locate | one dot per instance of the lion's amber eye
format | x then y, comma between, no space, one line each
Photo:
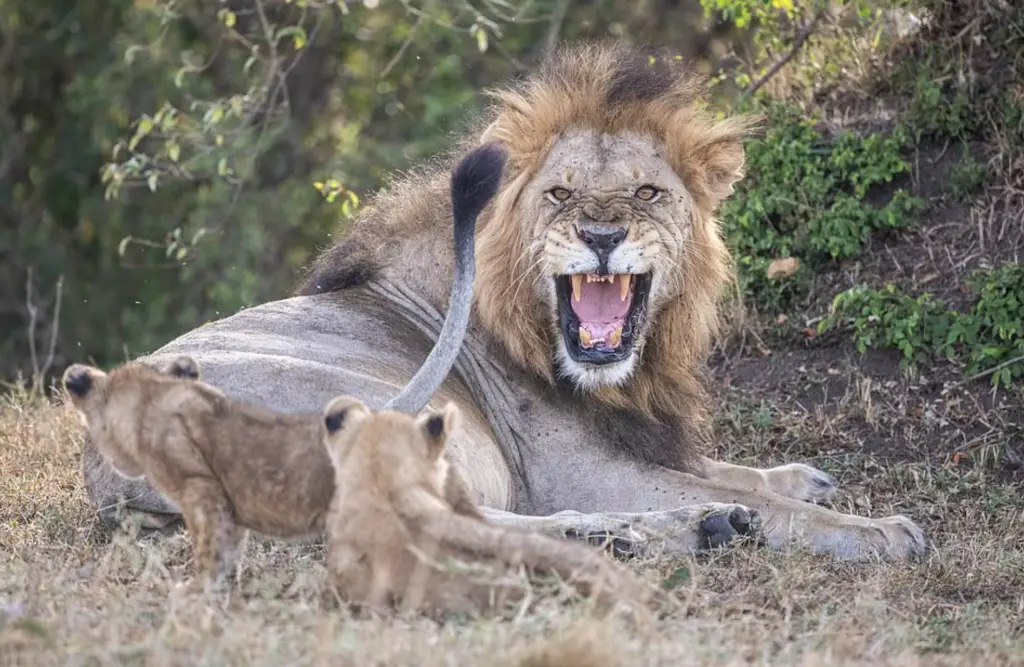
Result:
559,194
647,193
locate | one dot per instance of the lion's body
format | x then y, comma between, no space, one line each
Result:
553,421
399,533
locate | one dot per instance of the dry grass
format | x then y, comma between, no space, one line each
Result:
70,593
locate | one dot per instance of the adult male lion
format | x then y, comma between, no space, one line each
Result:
600,266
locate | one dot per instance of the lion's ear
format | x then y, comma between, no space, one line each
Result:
724,164
437,427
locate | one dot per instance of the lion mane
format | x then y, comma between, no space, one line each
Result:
612,89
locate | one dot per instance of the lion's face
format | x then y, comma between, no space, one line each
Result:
610,224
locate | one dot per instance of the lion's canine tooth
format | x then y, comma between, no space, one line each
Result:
624,286
615,337
585,337
577,283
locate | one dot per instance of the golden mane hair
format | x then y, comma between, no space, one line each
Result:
612,89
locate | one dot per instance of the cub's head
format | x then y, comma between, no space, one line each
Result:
602,251
92,391
388,450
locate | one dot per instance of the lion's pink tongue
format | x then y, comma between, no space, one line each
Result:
601,311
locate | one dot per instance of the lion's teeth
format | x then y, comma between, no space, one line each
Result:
577,286
615,337
624,285
585,337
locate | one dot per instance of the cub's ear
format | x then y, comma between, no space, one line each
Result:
184,367
437,427
339,412
79,380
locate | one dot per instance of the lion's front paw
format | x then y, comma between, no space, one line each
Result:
606,532
800,482
724,522
859,538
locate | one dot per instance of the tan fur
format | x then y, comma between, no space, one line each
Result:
226,464
401,512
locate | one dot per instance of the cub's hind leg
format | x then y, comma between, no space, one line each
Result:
216,538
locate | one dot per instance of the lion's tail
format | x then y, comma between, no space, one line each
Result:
475,180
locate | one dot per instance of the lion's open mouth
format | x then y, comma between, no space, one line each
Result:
601,314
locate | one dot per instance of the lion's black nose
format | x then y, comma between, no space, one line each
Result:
78,383
602,239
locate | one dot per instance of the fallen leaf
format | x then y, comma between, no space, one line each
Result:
781,319
679,576
783,267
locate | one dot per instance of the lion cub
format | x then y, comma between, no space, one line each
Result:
226,464
401,514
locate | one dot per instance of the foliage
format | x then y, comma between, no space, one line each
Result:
964,73
888,318
987,339
162,157
806,195
967,177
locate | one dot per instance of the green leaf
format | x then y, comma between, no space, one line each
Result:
481,37
227,17
173,150
297,33
213,115
129,54
679,576
151,181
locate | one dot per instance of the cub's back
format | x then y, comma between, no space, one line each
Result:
272,466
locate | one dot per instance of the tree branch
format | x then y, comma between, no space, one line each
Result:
798,44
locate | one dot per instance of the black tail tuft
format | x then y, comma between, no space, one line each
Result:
476,179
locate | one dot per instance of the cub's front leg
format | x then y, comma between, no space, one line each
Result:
216,538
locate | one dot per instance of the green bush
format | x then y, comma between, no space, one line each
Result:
987,339
806,195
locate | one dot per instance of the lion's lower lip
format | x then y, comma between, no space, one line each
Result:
601,314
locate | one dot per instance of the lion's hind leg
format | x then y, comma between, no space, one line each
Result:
216,538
